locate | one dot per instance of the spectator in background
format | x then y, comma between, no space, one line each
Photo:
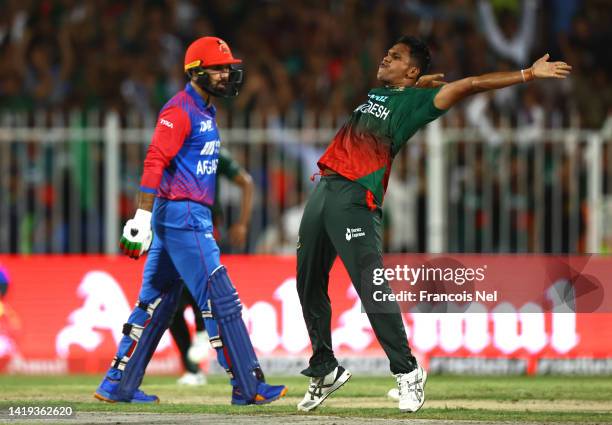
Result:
304,68
530,121
508,39
47,78
400,209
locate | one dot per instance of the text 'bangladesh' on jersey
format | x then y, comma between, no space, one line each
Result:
365,146
183,156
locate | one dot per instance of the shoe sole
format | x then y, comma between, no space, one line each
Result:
102,398
260,402
270,400
343,379
424,384
108,400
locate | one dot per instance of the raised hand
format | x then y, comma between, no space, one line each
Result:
544,69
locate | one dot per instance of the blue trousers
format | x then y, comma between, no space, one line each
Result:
183,248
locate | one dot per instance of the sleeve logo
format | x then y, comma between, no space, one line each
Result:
166,123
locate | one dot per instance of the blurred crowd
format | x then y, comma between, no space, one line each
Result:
316,55
308,64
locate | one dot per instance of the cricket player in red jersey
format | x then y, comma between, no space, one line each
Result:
177,192
343,215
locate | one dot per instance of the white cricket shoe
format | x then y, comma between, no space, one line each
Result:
192,379
199,348
411,388
320,388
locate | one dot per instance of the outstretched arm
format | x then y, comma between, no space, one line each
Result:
452,93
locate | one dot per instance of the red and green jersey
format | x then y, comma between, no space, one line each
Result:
365,146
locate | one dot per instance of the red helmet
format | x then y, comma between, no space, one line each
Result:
208,51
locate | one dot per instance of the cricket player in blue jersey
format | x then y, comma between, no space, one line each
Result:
175,199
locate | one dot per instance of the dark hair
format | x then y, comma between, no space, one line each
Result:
418,51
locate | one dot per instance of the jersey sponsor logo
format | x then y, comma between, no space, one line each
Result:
353,233
166,123
206,126
210,147
378,98
207,166
379,111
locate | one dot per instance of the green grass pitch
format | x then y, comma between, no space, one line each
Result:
492,399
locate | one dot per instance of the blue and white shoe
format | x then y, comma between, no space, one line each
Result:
265,394
106,392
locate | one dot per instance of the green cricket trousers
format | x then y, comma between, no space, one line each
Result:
338,221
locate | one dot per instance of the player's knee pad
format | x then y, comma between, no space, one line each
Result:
227,311
142,333
132,332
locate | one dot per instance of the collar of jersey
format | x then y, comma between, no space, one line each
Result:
391,88
198,99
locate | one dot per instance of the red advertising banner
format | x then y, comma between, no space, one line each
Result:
64,314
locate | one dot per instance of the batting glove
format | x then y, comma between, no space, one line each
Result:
137,235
